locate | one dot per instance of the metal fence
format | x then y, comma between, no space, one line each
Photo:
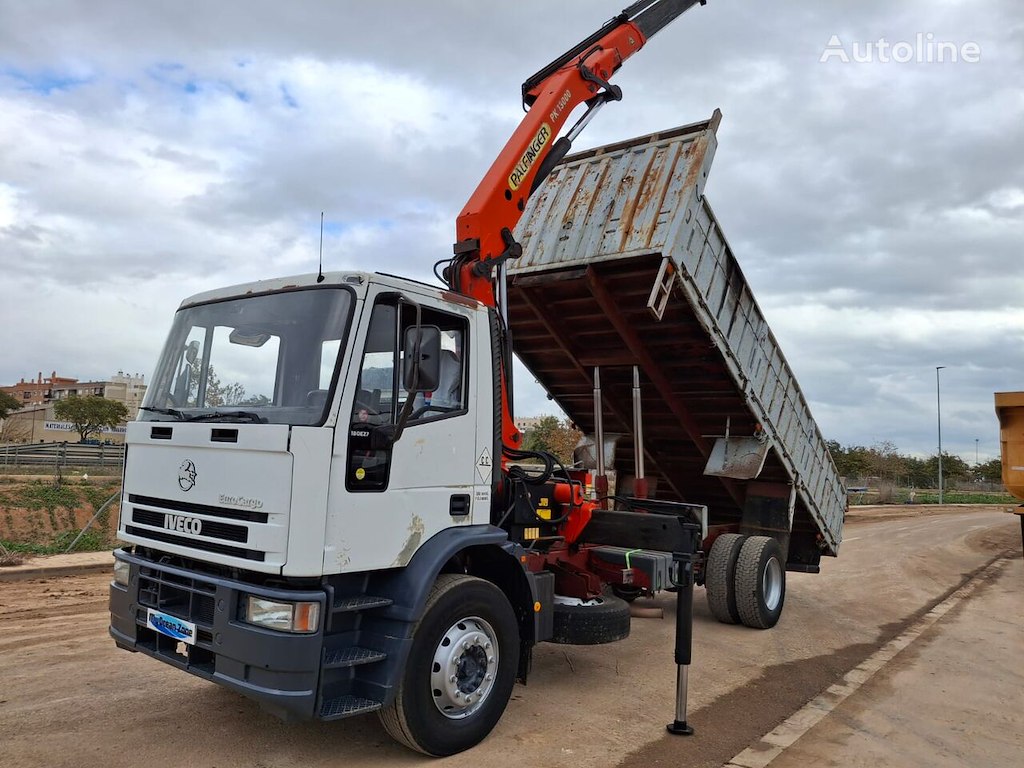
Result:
51,456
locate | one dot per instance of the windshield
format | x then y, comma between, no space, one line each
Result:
261,359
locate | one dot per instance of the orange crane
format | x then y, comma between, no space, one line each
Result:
580,76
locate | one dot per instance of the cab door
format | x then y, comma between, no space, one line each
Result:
386,501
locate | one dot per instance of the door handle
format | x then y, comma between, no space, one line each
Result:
458,506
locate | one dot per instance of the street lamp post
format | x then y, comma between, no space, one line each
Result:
938,411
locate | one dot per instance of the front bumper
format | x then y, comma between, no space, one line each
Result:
280,670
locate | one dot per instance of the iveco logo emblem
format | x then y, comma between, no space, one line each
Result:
186,475
183,524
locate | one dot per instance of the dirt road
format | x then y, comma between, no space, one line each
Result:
69,698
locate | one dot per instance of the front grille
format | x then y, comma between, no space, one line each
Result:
199,543
249,516
187,598
211,528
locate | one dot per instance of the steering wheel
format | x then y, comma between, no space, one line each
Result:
427,408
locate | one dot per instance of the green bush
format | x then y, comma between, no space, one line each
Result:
91,541
963,497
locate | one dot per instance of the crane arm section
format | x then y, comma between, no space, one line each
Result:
484,238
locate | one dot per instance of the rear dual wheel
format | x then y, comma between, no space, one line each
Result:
720,577
745,580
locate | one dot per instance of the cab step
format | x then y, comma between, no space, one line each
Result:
352,656
347,706
360,603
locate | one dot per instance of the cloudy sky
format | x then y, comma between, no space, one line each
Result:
873,195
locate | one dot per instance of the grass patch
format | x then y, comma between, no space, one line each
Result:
97,495
963,497
28,547
902,496
91,541
47,518
44,496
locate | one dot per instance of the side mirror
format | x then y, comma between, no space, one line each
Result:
421,367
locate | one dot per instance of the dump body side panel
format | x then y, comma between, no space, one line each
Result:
595,237
1010,410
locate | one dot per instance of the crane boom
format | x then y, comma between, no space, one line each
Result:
484,238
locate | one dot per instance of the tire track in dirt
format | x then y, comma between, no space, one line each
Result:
39,612
53,625
51,612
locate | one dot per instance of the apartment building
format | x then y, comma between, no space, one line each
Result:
123,387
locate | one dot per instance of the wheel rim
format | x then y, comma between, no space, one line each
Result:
464,668
771,584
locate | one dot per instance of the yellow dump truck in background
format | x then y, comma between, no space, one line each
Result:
1010,410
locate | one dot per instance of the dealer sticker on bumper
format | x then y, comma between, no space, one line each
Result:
171,626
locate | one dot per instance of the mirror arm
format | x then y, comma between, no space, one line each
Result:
392,433
387,435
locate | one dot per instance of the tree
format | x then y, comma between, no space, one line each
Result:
15,431
885,462
852,462
953,469
554,436
989,471
217,394
90,414
921,474
8,403
255,401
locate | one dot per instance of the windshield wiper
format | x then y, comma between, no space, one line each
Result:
166,412
249,416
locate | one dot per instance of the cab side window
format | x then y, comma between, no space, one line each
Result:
451,393
380,396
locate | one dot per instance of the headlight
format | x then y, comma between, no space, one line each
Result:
121,570
301,617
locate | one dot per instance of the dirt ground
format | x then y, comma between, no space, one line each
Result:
70,698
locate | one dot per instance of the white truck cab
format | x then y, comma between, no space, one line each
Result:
290,503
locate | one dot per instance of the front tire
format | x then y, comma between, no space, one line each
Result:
460,671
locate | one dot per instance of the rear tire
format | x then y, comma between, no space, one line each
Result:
720,577
760,582
460,671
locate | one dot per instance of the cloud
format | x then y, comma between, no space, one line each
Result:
875,208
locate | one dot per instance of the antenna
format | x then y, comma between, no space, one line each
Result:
320,274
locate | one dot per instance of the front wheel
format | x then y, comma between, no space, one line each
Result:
460,671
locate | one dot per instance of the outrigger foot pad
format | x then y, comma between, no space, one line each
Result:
679,728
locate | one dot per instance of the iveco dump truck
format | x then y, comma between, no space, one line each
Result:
326,501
